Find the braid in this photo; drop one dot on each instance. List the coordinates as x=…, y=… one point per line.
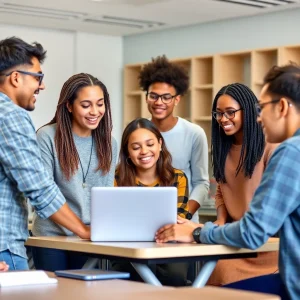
x=64, y=143
x=253, y=138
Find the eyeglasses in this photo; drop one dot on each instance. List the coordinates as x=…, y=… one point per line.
x=165, y=98
x=39, y=76
x=229, y=114
x=260, y=106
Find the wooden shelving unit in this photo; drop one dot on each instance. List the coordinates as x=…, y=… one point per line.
x=207, y=75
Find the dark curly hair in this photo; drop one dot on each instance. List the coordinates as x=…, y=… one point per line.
x=162, y=70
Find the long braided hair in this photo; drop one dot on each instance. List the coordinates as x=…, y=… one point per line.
x=253, y=137
x=64, y=143
x=126, y=170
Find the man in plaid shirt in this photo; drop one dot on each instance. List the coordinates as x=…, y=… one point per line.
x=22, y=174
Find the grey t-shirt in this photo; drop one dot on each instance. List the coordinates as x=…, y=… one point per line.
x=77, y=197
x=187, y=144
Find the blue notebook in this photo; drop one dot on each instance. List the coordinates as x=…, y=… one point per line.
x=92, y=274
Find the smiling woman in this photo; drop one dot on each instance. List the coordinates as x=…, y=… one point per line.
x=79, y=153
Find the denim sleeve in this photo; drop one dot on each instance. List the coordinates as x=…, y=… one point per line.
x=274, y=200
x=22, y=163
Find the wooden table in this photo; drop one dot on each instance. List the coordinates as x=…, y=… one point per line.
x=121, y=289
x=140, y=254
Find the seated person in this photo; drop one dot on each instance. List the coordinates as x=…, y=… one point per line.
x=276, y=202
x=146, y=162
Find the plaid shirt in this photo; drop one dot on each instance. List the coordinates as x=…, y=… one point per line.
x=181, y=183
x=275, y=206
x=22, y=176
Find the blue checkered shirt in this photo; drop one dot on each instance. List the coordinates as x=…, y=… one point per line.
x=22, y=176
x=275, y=207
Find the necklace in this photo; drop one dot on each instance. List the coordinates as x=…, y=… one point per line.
x=84, y=176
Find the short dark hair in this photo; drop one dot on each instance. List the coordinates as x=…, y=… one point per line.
x=162, y=70
x=284, y=81
x=15, y=52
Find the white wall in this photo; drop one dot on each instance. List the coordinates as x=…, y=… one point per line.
x=274, y=29
x=102, y=56
x=69, y=53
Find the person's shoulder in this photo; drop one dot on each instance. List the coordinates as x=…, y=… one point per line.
x=191, y=127
x=292, y=143
x=179, y=173
x=47, y=131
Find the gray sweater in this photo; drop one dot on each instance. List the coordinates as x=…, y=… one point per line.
x=76, y=196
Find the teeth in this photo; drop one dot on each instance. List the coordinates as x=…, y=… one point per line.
x=146, y=158
x=227, y=126
x=92, y=120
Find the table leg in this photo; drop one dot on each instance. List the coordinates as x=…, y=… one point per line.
x=91, y=263
x=204, y=274
x=146, y=274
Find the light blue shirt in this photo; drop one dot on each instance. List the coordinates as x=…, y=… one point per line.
x=22, y=175
x=275, y=207
x=187, y=144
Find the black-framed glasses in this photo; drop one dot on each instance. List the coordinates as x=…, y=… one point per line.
x=229, y=114
x=260, y=106
x=165, y=98
x=39, y=76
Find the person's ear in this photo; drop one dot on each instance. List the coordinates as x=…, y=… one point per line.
x=177, y=100
x=69, y=107
x=160, y=143
x=283, y=107
x=15, y=79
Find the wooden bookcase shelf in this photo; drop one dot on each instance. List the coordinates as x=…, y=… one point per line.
x=207, y=75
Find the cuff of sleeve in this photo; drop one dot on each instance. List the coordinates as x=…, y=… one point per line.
x=54, y=202
x=205, y=232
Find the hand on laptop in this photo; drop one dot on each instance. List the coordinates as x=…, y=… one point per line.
x=180, y=232
x=4, y=266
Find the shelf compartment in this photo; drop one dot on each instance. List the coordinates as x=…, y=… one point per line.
x=132, y=108
x=131, y=74
x=232, y=68
x=183, y=109
x=202, y=104
x=262, y=62
x=202, y=71
x=290, y=54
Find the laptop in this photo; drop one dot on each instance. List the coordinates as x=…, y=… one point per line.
x=131, y=214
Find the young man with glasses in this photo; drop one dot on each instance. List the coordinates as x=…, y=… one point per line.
x=22, y=174
x=164, y=84
x=276, y=202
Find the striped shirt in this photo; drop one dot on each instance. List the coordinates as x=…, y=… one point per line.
x=22, y=176
x=275, y=207
x=181, y=183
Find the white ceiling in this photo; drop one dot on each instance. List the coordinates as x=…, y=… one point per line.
x=125, y=17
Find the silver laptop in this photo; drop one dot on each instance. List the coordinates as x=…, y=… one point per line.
x=131, y=213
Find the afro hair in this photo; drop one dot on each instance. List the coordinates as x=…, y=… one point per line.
x=162, y=70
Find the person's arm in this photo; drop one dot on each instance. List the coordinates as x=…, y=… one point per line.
x=66, y=218
x=183, y=195
x=222, y=213
x=274, y=200
x=21, y=160
x=199, y=171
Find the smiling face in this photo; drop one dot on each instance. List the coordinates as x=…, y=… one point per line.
x=87, y=110
x=28, y=86
x=158, y=109
x=144, y=149
x=232, y=126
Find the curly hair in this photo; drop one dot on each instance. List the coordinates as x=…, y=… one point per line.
x=126, y=172
x=162, y=70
